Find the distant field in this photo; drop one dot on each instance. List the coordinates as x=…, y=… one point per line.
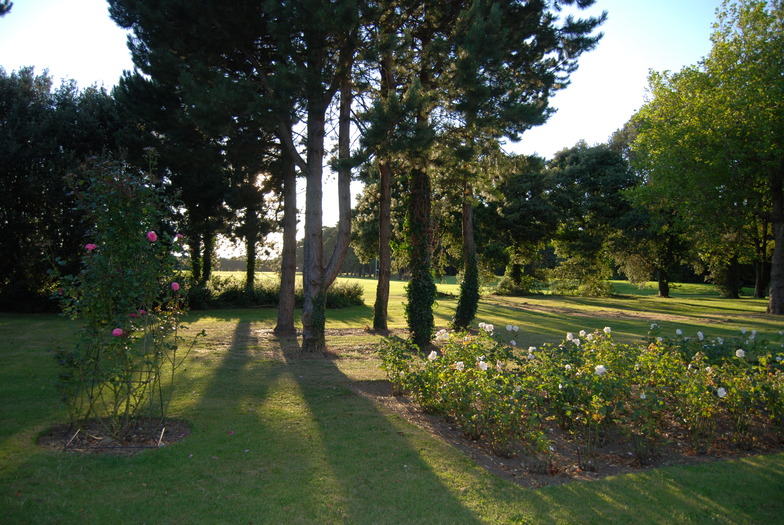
x=546, y=318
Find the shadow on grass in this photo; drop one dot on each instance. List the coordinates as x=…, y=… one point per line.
x=739, y=491
x=311, y=449
x=277, y=438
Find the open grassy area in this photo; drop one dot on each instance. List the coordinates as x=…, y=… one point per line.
x=546, y=318
x=276, y=438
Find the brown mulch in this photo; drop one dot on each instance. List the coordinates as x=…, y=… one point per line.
x=567, y=461
x=94, y=437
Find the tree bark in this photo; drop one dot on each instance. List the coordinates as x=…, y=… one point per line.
x=760, y=279
x=664, y=283
x=730, y=280
x=469, y=287
x=313, y=308
x=381, y=305
x=761, y=269
x=288, y=268
x=344, y=186
x=384, y=249
x=776, y=299
x=421, y=288
x=194, y=249
x=208, y=251
x=251, y=240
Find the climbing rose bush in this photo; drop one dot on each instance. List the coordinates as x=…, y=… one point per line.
x=126, y=300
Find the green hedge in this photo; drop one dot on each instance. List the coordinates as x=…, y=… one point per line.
x=227, y=292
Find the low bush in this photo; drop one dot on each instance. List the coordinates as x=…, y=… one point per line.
x=525, y=285
x=343, y=295
x=227, y=292
x=591, y=385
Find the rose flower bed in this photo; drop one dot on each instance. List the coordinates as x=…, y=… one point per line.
x=590, y=386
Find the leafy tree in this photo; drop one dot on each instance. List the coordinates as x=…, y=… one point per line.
x=652, y=238
x=282, y=62
x=709, y=140
x=517, y=218
x=5, y=7
x=45, y=134
x=588, y=185
x=650, y=243
x=192, y=156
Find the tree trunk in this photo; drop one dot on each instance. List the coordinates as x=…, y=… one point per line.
x=313, y=308
x=761, y=260
x=515, y=272
x=469, y=286
x=776, y=299
x=194, y=248
x=421, y=288
x=208, y=251
x=316, y=279
x=384, y=248
x=381, y=305
x=760, y=279
x=344, y=186
x=664, y=283
x=288, y=267
x=251, y=240
x=731, y=285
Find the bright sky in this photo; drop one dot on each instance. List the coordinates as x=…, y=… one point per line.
x=610, y=84
x=76, y=39
x=73, y=39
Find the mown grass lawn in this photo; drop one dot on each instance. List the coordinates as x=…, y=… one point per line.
x=277, y=438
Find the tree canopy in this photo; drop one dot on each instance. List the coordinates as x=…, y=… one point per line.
x=45, y=134
x=710, y=140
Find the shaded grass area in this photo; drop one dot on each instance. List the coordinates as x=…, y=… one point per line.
x=277, y=438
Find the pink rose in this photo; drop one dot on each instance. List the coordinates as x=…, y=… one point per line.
x=142, y=312
x=178, y=237
x=117, y=332
x=152, y=236
x=90, y=247
x=175, y=286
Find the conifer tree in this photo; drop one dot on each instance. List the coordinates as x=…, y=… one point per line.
x=485, y=67
x=296, y=57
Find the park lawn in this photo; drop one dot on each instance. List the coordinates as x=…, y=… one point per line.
x=547, y=318
x=277, y=438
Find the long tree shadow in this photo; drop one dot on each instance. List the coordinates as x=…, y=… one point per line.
x=307, y=448
x=308, y=445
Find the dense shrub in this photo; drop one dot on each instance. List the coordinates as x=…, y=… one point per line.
x=227, y=292
x=342, y=295
x=526, y=286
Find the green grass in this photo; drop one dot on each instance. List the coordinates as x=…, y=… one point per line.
x=546, y=318
x=276, y=438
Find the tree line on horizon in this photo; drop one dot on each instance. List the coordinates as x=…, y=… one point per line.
x=237, y=102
